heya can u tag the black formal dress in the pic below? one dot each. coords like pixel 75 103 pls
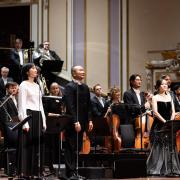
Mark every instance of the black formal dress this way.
pixel 77 99
pixel 160 159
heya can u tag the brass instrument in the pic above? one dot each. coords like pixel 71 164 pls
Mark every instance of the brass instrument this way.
pixel 25 56
pixel 44 56
pixel 46 90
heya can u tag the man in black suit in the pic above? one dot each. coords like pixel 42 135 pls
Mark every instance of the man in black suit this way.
pixel 97 102
pixel 18 57
pixel 4 80
pixel 176 98
pixel 135 98
pixel 77 99
pixel 8 118
pixel 9 114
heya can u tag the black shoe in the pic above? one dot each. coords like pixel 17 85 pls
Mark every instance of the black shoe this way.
pixel 74 176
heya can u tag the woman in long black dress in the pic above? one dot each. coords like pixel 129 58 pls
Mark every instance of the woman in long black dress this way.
pixel 161 161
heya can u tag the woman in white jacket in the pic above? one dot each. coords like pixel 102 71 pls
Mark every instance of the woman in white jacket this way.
pixel 30 149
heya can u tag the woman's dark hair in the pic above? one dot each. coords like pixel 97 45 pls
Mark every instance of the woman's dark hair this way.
pixel 26 69
pixel 132 78
pixel 158 84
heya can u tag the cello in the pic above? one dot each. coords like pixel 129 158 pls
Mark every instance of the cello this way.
pixel 177 117
pixel 147 121
pixel 86 145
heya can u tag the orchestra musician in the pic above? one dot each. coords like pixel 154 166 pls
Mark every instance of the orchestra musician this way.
pixel 98 102
pixel 53 108
pixel 177 98
pixel 9 117
pixel 77 100
pixel 135 98
pixel 30 151
pixel 161 161
pixel 4 80
pixel 98 111
pixel 114 119
pixel 44 53
pixel 18 57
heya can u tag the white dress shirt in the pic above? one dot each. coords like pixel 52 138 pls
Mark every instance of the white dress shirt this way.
pixel 137 91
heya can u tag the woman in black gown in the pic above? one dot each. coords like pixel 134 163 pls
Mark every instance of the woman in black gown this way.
pixel 161 161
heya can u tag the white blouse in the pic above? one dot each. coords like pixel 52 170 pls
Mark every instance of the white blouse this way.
pixel 30 97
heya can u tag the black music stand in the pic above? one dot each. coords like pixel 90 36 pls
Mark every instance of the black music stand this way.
pixel 21 123
pixel 123 110
pixel 52 65
pixel 18 126
pixel 101 128
pixel 57 125
pixel 47 69
pixel 170 129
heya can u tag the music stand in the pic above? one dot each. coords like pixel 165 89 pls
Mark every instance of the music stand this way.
pixel 52 65
pixel 170 129
pixel 57 125
pixel 18 126
pixel 21 123
pixel 101 128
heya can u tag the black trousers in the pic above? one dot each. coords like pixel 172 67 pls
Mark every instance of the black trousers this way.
pixel 72 147
pixel 30 147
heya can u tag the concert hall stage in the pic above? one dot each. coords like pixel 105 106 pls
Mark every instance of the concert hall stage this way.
pixel 126 164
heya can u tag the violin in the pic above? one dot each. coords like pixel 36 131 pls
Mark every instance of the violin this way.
pixel 147 121
pixel 86 146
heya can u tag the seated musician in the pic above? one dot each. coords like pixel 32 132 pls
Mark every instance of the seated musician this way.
pixel 113 119
pixel 4 80
pixel 9 111
pixel 9 117
pixel 53 108
pixel 44 53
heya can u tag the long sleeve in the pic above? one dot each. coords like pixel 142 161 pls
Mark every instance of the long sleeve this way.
pixel 22 99
pixel 30 97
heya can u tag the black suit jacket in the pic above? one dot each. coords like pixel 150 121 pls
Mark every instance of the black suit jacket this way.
pixel 130 98
pixel 3 88
pixel 6 122
pixel 77 100
pixel 15 66
pixel 97 108
pixel 176 103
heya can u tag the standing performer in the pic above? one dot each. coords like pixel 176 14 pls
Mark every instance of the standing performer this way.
pixel 18 57
pixel 134 96
pixel 31 137
pixel 98 102
pixel 163 158
pixel 77 99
